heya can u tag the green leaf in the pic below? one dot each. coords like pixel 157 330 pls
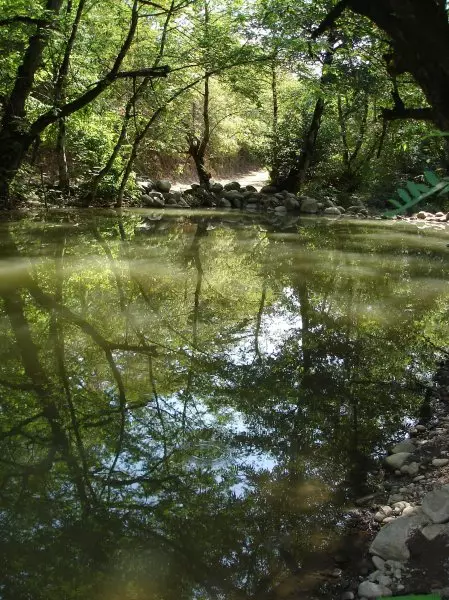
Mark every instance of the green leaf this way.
pixel 414 189
pixel 432 177
pixel 404 195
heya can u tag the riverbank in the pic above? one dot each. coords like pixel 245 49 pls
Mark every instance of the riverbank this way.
pixel 404 524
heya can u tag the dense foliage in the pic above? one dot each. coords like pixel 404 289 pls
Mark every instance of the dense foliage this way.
pixel 322 94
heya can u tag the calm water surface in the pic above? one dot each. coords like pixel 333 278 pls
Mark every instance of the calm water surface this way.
pixel 188 403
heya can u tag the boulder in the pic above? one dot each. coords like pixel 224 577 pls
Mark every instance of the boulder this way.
pixel 332 210
pixel 269 189
pixel 412 469
pixel 291 203
pixel 308 205
pixel 436 505
pixel 369 589
pixel 182 204
pixel 145 186
pixel 225 203
pixel 395 461
pixel 328 203
pixel 233 185
pixel 341 209
pixel 146 200
pixel 170 199
pixel 250 188
pixel 251 206
pixel 280 209
pixel 391 541
pixel 216 187
pixel 405 446
pixel 430 532
pixel 440 462
pixel 229 194
pixel 163 185
pixel 153 200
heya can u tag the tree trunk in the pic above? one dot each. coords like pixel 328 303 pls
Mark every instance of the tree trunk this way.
pixel 63 169
pixel 275 159
pixel 14 137
pixel 296 175
pixel 419 31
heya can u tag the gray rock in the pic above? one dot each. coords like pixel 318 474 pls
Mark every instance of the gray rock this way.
pixel 368 589
pixel 170 199
pixel 268 189
pixel 183 204
pixel 233 195
pixel 216 187
pixel 224 203
pixel 233 185
pixel 395 461
pixel 250 188
pixel 405 446
pixel 155 200
pixel 385 580
pixel 420 428
pixel 341 209
pixel 291 203
pixel 412 469
pixel 347 596
pixel 391 541
pixel 409 510
pixel 440 462
pixel 280 209
pixel 251 206
pixel 430 532
pixel 308 205
pixel 379 563
pixel 436 505
pixel 145 186
pixel 332 210
pixel 163 185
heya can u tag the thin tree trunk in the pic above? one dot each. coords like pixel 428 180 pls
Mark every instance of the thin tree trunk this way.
pixel 60 97
pixel 297 174
pixel 275 159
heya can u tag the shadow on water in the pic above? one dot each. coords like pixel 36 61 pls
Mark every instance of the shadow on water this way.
pixel 189 402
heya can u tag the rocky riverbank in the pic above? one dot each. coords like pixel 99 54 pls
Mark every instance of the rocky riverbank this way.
pixel 232 195
pixel 406 521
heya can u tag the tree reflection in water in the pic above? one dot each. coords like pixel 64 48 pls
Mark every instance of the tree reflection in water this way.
pixel 187 406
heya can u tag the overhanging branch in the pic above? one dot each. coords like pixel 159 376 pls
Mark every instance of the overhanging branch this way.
pixel 145 72
pixel 331 17
pixel 419 114
pixel 22 19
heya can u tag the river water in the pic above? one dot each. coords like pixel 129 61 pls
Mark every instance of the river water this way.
pixel 190 402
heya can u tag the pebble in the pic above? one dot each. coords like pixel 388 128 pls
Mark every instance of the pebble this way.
pixel 368 589
pixel 378 562
pixel 385 580
pixel 420 428
pixel 440 462
pixel 408 510
pixel 337 573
